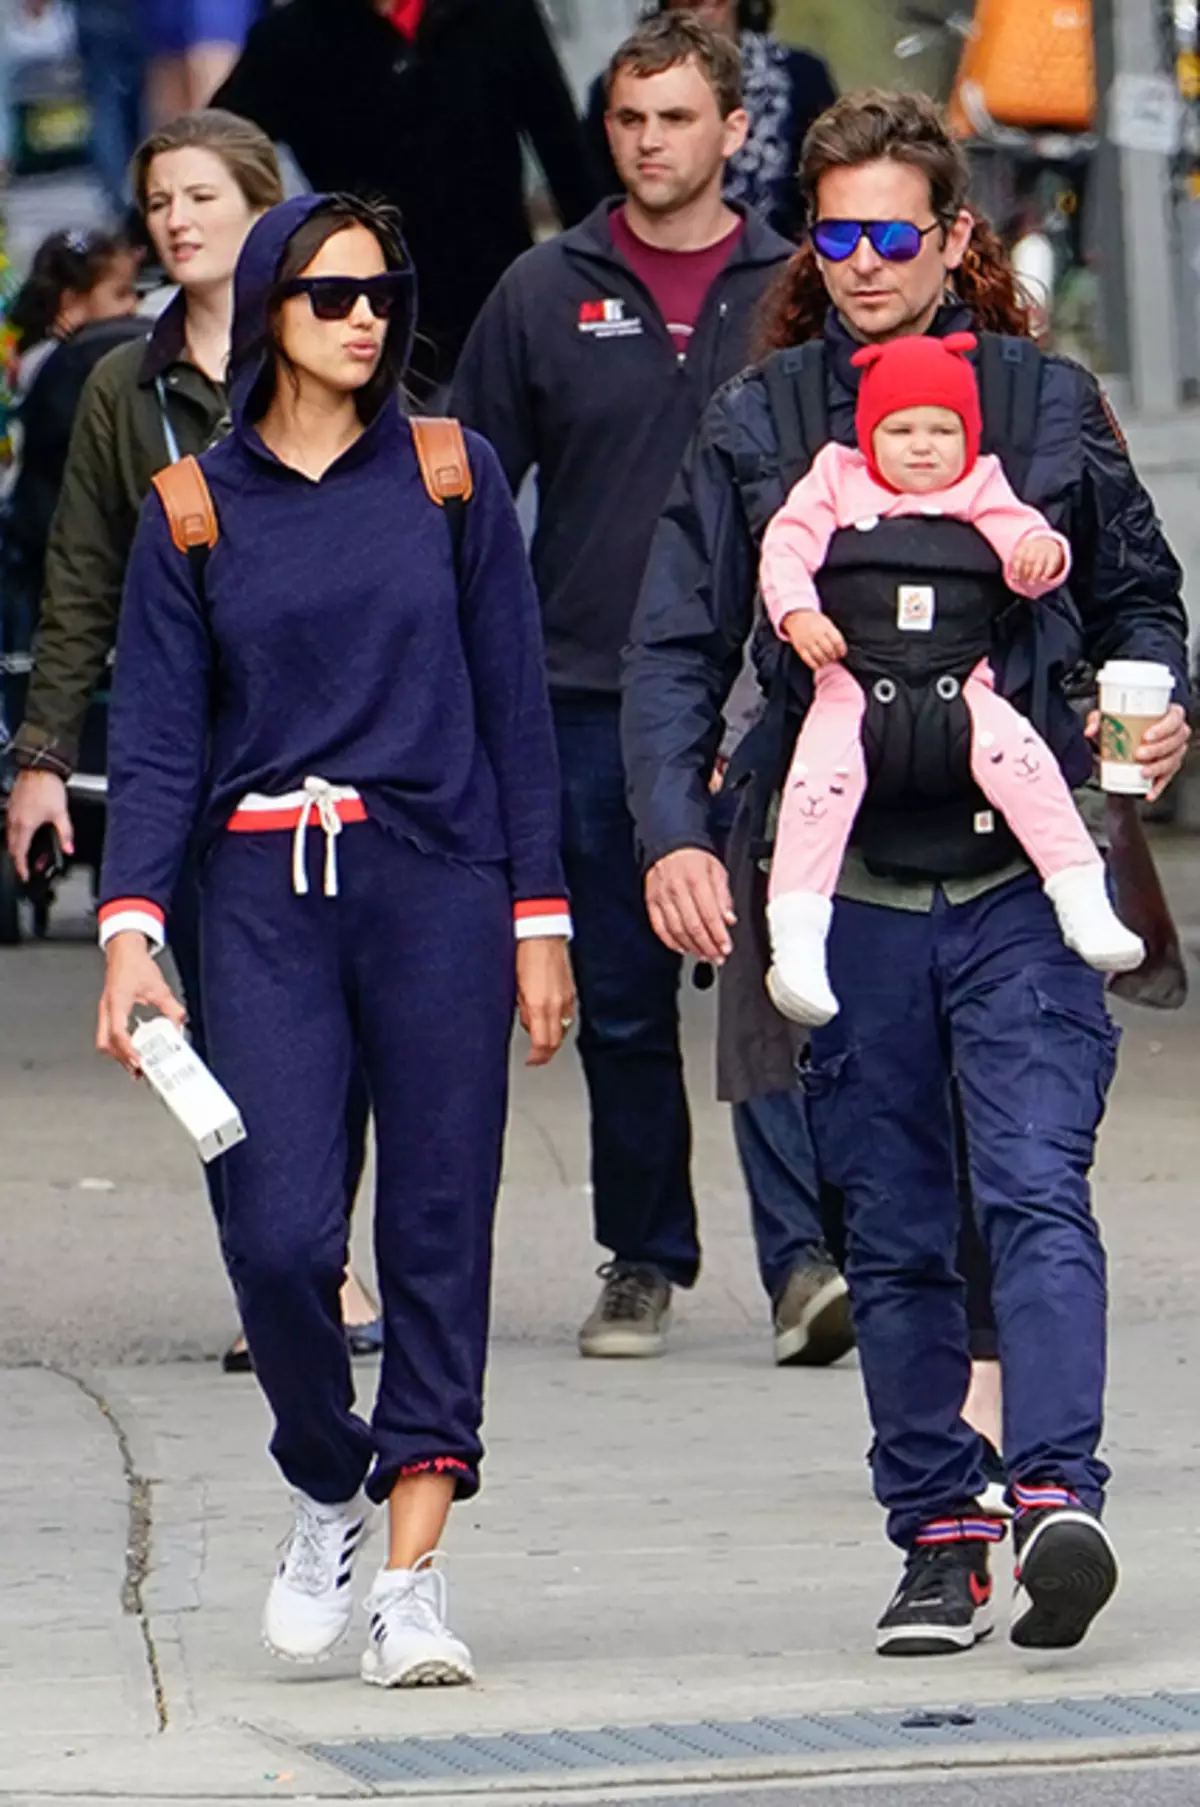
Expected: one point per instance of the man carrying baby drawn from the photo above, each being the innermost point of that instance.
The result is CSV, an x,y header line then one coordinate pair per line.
x,y
948,963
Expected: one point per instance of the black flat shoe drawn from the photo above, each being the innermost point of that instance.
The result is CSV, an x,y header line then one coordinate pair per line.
x,y
361,1339
365,1339
236,1359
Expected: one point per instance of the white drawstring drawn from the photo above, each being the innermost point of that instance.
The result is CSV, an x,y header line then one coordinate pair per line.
x,y
323,797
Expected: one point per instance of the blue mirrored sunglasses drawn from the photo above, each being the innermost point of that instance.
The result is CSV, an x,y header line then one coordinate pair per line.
x,y
896,241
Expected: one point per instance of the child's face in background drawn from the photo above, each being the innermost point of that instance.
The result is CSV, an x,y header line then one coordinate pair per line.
x,y
920,449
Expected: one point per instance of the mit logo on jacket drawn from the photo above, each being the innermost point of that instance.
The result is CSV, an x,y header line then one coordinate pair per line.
x,y
608,319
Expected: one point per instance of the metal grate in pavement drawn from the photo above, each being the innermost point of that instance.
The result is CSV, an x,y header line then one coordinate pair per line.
x,y
512,1755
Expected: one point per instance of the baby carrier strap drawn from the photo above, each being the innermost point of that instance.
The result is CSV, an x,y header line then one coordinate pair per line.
x,y
795,382
1010,385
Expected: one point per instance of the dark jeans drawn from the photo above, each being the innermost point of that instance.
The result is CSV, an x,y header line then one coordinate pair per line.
x,y
988,991
775,1147
628,985
113,67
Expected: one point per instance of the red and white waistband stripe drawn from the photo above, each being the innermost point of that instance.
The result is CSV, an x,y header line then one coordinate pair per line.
x,y
330,808
132,913
255,815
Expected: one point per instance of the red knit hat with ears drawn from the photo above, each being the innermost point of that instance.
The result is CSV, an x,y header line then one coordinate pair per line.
x,y
912,373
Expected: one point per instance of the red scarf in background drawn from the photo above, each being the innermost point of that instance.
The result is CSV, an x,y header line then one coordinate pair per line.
x,y
406,15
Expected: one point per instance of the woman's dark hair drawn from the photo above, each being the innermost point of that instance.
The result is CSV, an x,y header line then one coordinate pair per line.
x,y
908,128
243,148
679,37
752,15
338,214
66,263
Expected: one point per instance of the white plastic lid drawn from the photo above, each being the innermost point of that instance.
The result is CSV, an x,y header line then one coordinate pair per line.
x,y
1137,674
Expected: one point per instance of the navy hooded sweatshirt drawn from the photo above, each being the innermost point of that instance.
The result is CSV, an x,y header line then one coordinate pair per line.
x,y
331,641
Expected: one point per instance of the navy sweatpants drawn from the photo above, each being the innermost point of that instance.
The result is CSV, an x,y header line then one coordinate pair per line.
x,y
989,991
408,974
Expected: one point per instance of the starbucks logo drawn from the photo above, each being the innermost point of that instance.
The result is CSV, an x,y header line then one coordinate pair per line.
x,y
1116,742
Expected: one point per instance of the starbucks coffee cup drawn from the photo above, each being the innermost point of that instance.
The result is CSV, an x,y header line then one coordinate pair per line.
x,y
1134,694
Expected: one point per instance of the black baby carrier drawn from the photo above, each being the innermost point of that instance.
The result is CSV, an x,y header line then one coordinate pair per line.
x,y
920,600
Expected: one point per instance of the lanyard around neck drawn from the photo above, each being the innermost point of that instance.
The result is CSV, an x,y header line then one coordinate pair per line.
x,y
172,443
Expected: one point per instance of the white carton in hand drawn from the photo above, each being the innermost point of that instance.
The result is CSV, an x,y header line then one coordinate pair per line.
x,y
187,1088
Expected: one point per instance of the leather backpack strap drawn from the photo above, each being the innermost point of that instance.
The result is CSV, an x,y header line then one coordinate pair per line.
x,y
442,455
446,471
187,501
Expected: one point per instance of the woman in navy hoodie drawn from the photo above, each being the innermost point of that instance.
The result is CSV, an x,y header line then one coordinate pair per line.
x,y
360,737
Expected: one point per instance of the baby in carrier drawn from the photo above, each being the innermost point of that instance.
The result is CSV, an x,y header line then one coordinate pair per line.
x,y
918,427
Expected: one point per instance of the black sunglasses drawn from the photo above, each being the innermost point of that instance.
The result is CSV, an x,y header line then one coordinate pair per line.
x,y
335,297
896,241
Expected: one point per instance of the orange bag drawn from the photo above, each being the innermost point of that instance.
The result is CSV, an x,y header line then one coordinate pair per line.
x,y
1027,63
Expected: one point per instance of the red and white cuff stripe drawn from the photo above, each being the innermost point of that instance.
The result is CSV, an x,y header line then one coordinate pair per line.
x,y
138,913
542,917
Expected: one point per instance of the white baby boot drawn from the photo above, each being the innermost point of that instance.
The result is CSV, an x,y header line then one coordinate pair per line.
x,y
1089,923
798,983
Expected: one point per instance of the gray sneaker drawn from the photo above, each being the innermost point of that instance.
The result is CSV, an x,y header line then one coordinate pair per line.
x,y
812,1318
632,1315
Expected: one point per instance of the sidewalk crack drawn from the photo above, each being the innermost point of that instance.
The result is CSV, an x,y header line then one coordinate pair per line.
x,y
546,1139
137,1543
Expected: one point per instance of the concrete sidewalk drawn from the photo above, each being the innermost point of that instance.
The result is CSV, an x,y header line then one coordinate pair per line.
x,y
664,1542
689,1541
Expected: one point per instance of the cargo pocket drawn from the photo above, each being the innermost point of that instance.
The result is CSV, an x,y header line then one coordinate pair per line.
x,y
1074,1055
827,1081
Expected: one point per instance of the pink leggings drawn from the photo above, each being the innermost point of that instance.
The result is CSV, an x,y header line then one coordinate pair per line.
x,y
1010,762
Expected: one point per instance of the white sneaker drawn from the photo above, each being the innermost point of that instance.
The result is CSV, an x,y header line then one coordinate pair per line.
x,y
311,1601
410,1645
798,983
1089,923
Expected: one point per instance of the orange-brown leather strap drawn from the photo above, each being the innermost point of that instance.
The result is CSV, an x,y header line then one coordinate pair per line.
x,y
442,455
188,504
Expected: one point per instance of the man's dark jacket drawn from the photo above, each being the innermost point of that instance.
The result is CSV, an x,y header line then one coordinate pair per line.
x,y
571,367
436,127
697,606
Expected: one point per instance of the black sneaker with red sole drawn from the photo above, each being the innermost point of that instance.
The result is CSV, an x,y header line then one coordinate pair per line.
x,y
1066,1571
943,1604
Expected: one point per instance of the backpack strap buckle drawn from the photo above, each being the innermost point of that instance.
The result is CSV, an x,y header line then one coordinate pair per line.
x,y
442,455
188,505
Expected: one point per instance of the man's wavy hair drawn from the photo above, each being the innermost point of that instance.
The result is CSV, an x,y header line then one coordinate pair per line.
x,y
909,128
752,15
675,37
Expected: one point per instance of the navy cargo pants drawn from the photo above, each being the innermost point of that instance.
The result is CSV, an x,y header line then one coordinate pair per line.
x,y
987,991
